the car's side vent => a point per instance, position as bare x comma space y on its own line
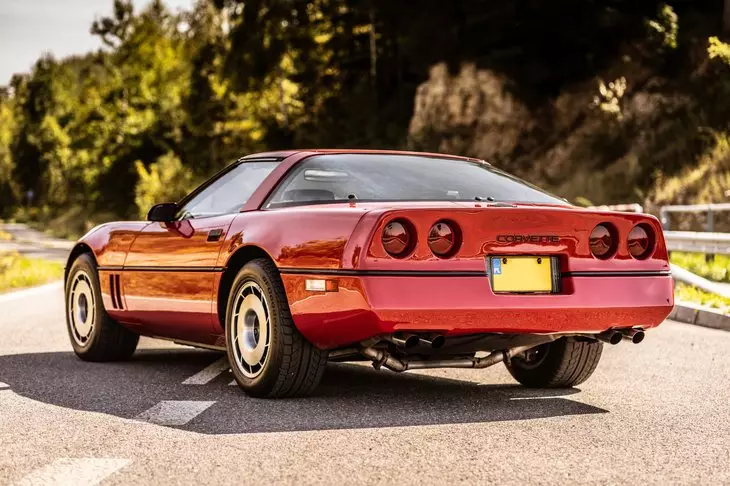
115, 291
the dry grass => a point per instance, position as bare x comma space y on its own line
718, 269
17, 271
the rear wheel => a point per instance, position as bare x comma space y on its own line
268, 356
94, 335
563, 363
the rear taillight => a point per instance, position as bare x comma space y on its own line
641, 241
399, 238
444, 239
603, 241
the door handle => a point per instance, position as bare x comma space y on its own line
215, 234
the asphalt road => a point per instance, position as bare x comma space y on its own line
32, 243
658, 413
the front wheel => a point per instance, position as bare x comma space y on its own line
94, 335
269, 357
564, 363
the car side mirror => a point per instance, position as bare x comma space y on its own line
163, 213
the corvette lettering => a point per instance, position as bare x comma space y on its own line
528, 239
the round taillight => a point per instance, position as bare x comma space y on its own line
603, 241
640, 241
398, 238
443, 239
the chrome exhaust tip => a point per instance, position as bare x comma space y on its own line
633, 335
610, 337
405, 340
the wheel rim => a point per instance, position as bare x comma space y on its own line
81, 308
250, 330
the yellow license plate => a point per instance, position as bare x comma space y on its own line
521, 274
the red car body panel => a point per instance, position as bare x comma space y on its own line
169, 274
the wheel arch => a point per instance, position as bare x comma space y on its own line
78, 250
235, 263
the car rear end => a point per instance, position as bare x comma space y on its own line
460, 268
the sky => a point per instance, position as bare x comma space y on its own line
28, 28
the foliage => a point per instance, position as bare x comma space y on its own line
666, 27
17, 271
706, 182
610, 96
688, 293
165, 180
719, 50
718, 269
174, 97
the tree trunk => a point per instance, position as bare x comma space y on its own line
374, 49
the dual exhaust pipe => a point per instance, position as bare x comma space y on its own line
615, 336
435, 341
409, 341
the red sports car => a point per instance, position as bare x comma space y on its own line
287, 260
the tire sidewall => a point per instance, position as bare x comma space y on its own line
267, 379
86, 264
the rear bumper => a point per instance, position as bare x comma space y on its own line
366, 306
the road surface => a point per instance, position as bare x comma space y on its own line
32, 243
656, 413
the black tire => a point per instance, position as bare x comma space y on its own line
107, 340
292, 366
564, 363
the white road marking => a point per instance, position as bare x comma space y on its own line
31, 292
233, 383
174, 412
74, 472
535, 398
209, 373
4, 386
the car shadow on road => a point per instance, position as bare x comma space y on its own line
350, 396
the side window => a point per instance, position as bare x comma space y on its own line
229, 192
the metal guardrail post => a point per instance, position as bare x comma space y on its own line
664, 218
710, 228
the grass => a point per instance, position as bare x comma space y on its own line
17, 271
5, 236
688, 293
717, 270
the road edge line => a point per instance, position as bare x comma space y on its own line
30, 291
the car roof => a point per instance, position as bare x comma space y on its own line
282, 154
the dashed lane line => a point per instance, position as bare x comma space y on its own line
174, 412
74, 472
209, 373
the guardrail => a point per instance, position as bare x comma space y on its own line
710, 209
628, 208
697, 242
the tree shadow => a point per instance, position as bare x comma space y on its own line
350, 396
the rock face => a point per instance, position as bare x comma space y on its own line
470, 113
566, 143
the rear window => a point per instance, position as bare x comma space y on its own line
378, 177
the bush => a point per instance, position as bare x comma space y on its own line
717, 270
165, 180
